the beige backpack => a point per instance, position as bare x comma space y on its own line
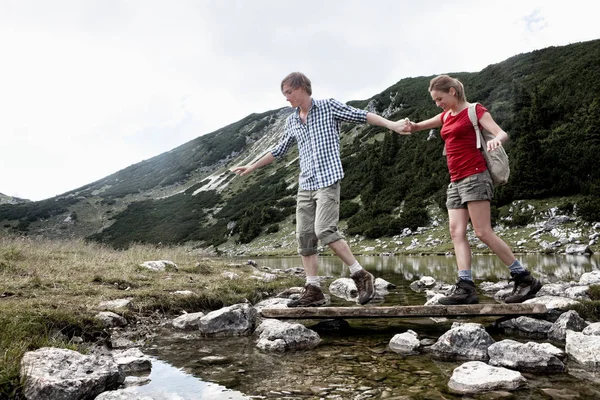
497, 160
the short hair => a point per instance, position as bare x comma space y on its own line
297, 80
443, 83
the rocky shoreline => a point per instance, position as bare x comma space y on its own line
555, 343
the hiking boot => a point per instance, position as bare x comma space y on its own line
364, 281
312, 296
526, 286
461, 293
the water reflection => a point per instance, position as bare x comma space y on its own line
485, 267
167, 382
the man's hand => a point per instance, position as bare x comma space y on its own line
243, 170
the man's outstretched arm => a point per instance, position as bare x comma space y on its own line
398, 126
246, 169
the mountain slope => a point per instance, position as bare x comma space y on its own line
548, 101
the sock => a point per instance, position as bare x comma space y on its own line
516, 267
465, 275
313, 280
355, 267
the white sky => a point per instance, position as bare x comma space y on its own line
88, 87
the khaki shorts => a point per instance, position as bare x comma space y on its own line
317, 217
472, 188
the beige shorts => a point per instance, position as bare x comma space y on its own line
317, 217
472, 188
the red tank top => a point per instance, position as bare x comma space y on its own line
463, 156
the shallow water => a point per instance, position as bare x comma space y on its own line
353, 363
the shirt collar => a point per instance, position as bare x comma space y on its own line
313, 105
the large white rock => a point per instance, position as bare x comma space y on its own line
275, 335
405, 343
464, 341
188, 322
583, 349
590, 278
477, 376
552, 302
528, 357
62, 374
236, 320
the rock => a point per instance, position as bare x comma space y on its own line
528, 357
275, 335
121, 395
235, 320
264, 276
383, 285
229, 275
110, 319
476, 376
160, 265
553, 289
553, 302
184, 293
494, 287
434, 300
527, 326
273, 302
578, 292
464, 341
132, 361
580, 249
121, 343
569, 320
583, 349
118, 304
590, 278
426, 282
592, 329
188, 322
406, 343
344, 288
62, 374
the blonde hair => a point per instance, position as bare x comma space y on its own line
443, 83
297, 80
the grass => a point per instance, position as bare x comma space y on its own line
50, 292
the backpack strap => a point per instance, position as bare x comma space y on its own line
443, 122
475, 121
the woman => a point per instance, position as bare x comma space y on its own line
471, 189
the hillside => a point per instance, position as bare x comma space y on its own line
547, 100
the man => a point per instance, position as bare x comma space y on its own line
315, 127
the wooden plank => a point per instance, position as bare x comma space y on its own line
404, 311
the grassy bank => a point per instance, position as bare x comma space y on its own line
51, 290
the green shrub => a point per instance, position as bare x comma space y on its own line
589, 209
348, 208
272, 228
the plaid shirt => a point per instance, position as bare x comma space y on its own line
318, 141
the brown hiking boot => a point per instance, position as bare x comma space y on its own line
312, 296
461, 293
526, 286
365, 284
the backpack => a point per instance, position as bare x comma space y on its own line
497, 160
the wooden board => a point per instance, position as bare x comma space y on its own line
404, 311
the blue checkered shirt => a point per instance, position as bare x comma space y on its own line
318, 141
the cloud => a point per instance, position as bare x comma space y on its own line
90, 87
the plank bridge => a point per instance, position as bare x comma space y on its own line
469, 310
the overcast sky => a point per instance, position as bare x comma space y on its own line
88, 87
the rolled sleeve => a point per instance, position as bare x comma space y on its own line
346, 113
284, 144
